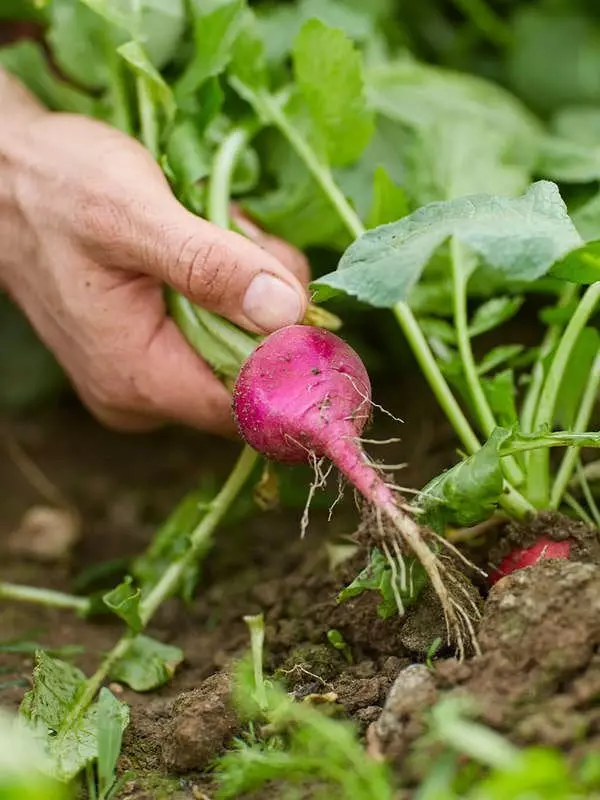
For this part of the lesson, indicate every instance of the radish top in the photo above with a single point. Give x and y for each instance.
(299, 391)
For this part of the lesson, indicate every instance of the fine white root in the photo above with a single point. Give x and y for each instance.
(369, 401)
(319, 482)
(461, 556)
(339, 497)
(391, 440)
(454, 614)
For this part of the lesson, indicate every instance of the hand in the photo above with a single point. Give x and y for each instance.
(90, 232)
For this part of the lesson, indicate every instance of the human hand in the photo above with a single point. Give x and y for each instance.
(90, 232)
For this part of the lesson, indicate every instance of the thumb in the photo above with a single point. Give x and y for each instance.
(226, 273)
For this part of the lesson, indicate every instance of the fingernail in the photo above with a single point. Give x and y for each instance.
(270, 303)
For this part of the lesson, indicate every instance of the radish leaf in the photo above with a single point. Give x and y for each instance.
(216, 27)
(518, 237)
(468, 492)
(124, 601)
(69, 735)
(328, 71)
(147, 664)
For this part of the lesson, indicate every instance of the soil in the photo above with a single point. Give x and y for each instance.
(537, 680)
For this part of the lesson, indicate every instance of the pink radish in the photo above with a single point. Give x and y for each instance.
(528, 556)
(304, 394)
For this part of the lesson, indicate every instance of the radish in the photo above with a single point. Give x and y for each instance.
(523, 557)
(304, 394)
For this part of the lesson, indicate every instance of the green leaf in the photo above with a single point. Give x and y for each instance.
(468, 492)
(459, 157)
(581, 265)
(544, 81)
(216, 27)
(124, 601)
(421, 95)
(498, 356)
(188, 154)
(587, 218)
(571, 153)
(24, 766)
(519, 238)
(328, 70)
(377, 576)
(109, 736)
(493, 313)
(171, 541)
(82, 43)
(136, 57)
(501, 394)
(27, 61)
(147, 664)
(248, 66)
(156, 25)
(389, 201)
(69, 736)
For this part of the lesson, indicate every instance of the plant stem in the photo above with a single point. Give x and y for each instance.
(570, 458)
(44, 597)
(539, 463)
(320, 172)
(226, 158)
(201, 534)
(587, 493)
(459, 280)
(437, 382)
(488, 23)
(460, 277)
(171, 578)
(149, 130)
(121, 116)
(549, 343)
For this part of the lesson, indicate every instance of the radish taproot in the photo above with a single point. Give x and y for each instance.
(304, 394)
(523, 557)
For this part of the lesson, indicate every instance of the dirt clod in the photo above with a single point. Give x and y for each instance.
(202, 722)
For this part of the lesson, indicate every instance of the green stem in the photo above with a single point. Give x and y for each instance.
(168, 583)
(571, 457)
(256, 625)
(549, 343)
(149, 129)
(121, 109)
(44, 597)
(486, 21)
(219, 193)
(430, 369)
(460, 276)
(587, 493)
(459, 279)
(201, 534)
(539, 463)
(318, 170)
(556, 439)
